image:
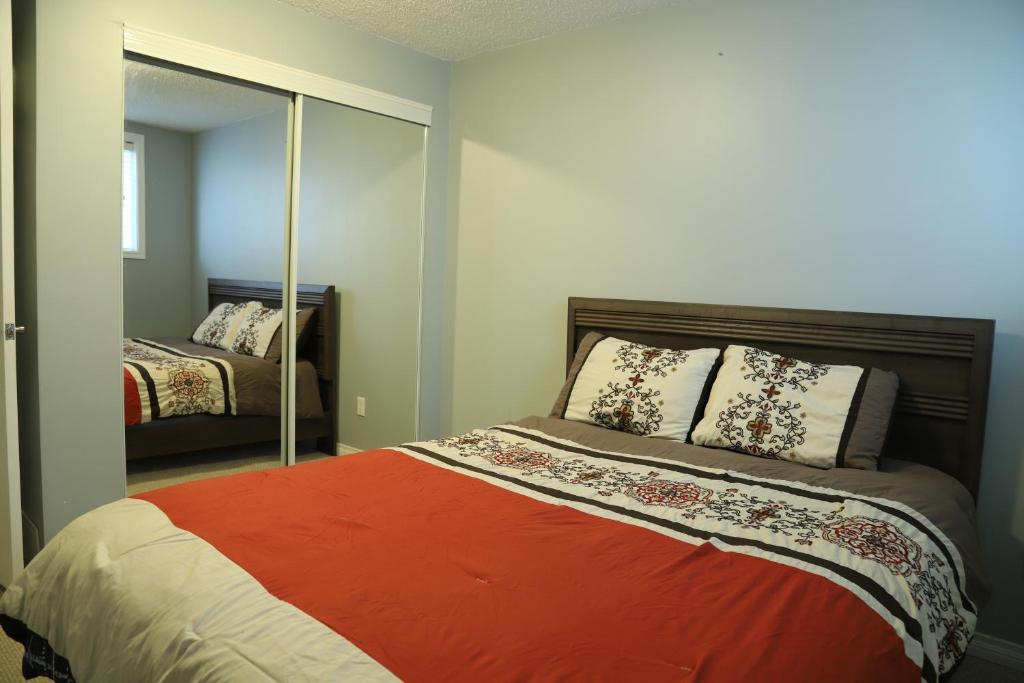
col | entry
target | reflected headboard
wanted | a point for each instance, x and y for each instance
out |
(322, 348)
(943, 363)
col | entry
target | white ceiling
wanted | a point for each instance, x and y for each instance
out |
(457, 29)
(187, 102)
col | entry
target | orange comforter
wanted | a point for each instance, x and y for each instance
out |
(441, 574)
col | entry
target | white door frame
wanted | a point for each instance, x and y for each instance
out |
(255, 70)
(300, 83)
(12, 553)
(289, 297)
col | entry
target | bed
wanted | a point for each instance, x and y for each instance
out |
(552, 549)
(255, 415)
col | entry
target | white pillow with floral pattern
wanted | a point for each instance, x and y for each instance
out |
(220, 327)
(640, 389)
(256, 331)
(773, 406)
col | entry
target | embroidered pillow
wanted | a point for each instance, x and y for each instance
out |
(221, 326)
(256, 331)
(773, 406)
(635, 388)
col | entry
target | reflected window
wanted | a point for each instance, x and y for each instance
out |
(133, 188)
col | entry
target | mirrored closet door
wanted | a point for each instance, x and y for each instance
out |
(203, 235)
(359, 241)
(272, 269)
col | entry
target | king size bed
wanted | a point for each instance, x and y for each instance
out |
(659, 524)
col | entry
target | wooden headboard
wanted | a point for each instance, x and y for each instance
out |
(322, 348)
(943, 363)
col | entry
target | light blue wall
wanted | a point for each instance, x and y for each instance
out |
(158, 288)
(239, 173)
(853, 156)
(359, 229)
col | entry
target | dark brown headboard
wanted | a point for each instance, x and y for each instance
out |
(322, 349)
(943, 363)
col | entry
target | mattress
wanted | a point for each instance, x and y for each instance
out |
(218, 382)
(539, 549)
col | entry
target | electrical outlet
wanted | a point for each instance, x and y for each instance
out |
(361, 406)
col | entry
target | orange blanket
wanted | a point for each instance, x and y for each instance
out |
(440, 575)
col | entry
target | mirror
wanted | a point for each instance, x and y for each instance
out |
(359, 232)
(202, 232)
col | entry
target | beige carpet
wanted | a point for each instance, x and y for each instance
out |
(152, 473)
(10, 661)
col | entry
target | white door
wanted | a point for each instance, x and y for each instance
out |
(11, 558)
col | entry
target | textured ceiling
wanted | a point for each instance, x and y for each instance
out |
(184, 101)
(457, 29)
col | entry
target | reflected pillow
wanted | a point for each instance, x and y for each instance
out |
(635, 388)
(304, 320)
(257, 330)
(221, 326)
(773, 406)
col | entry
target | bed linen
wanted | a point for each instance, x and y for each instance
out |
(541, 550)
(170, 376)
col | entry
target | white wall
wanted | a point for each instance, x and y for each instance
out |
(851, 156)
(158, 289)
(69, 61)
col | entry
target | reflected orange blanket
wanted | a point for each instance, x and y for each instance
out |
(132, 400)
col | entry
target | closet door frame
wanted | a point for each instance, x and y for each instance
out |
(290, 282)
(263, 72)
(216, 60)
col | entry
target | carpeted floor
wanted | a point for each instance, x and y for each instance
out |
(10, 661)
(145, 475)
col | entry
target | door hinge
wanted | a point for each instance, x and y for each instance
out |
(11, 331)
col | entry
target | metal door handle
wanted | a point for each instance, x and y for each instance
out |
(11, 330)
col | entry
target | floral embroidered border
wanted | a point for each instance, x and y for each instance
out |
(174, 383)
(883, 553)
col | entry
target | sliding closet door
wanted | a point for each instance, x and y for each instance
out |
(205, 163)
(360, 217)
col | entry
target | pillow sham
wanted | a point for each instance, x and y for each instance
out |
(303, 331)
(256, 331)
(220, 327)
(635, 388)
(773, 406)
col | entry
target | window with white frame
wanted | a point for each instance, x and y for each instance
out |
(133, 196)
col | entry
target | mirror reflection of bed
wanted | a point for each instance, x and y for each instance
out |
(243, 436)
(202, 406)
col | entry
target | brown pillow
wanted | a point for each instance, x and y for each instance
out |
(304, 326)
(582, 352)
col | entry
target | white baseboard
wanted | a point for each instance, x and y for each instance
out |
(997, 650)
(345, 449)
